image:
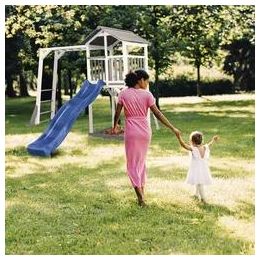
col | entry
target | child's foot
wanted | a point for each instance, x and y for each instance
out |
(203, 201)
(195, 197)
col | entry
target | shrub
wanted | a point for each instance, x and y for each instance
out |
(185, 87)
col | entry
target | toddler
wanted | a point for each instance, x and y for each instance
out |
(199, 172)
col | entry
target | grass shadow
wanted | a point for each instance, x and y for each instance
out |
(74, 211)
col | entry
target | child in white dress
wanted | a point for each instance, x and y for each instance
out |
(199, 172)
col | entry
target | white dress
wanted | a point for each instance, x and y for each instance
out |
(199, 172)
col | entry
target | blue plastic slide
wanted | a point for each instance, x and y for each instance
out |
(62, 122)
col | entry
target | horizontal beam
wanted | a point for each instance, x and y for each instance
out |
(73, 48)
(135, 44)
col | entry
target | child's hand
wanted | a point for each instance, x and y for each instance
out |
(215, 138)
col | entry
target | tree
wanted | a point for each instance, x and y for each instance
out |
(198, 34)
(153, 25)
(240, 63)
(240, 47)
(45, 26)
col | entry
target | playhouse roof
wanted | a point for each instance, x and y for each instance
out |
(113, 35)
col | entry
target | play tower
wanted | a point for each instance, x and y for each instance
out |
(110, 54)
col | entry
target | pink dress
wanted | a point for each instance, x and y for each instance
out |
(137, 131)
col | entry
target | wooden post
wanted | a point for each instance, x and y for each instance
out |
(42, 54)
(125, 59)
(106, 73)
(57, 55)
(111, 65)
(54, 84)
(146, 69)
(90, 110)
(39, 88)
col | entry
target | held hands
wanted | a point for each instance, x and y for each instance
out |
(115, 129)
(113, 132)
(177, 132)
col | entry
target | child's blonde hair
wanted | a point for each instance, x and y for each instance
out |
(196, 137)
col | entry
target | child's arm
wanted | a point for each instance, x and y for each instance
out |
(214, 139)
(183, 144)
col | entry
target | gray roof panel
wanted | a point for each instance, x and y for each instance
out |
(118, 34)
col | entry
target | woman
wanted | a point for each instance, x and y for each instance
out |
(136, 102)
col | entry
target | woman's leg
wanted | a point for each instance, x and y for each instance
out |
(140, 197)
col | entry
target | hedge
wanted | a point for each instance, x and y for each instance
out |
(184, 87)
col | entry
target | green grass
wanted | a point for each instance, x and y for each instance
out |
(81, 202)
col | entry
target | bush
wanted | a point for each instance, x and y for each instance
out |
(184, 87)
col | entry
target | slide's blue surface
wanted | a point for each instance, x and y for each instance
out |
(62, 122)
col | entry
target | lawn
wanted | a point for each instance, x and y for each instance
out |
(81, 202)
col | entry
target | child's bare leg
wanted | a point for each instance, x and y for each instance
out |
(201, 192)
(197, 190)
(196, 195)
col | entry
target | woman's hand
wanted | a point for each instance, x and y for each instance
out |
(113, 131)
(177, 132)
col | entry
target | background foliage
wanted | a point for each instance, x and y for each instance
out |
(206, 36)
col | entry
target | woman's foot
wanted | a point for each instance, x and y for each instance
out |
(142, 204)
(140, 197)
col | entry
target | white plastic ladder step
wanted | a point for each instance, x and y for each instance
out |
(45, 112)
(44, 90)
(45, 101)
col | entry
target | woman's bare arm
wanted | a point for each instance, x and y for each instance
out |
(159, 115)
(117, 114)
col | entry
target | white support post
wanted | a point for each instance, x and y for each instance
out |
(146, 69)
(125, 57)
(90, 110)
(39, 89)
(146, 58)
(107, 83)
(112, 93)
(111, 65)
(106, 60)
(90, 119)
(42, 54)
(113, 105)
(57, 56)
(88, 63)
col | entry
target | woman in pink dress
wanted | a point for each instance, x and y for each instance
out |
(136, 101)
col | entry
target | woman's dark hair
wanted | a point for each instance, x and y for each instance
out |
(132, 78)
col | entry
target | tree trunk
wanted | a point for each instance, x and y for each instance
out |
(9, 91)
(23, 85)
(156, 88)
(32, 84)
(70, 84)
(198, 81)
(66, 81)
